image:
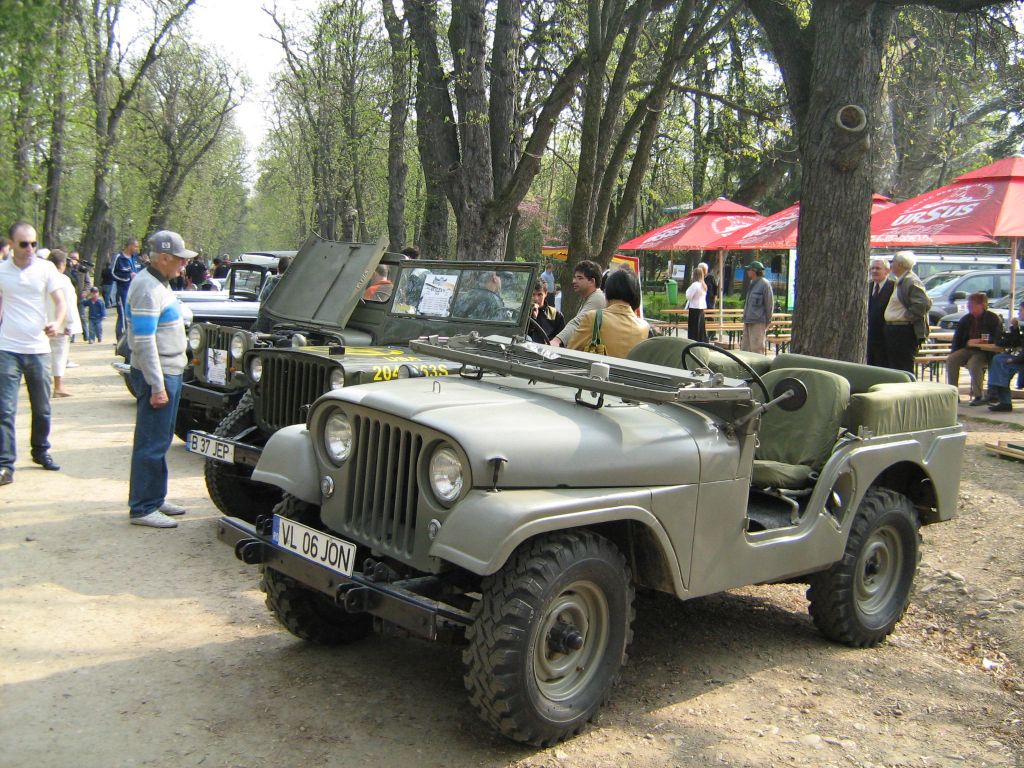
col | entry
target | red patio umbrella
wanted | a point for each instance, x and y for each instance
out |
(696, 229)
(779, 230)
(977, 207)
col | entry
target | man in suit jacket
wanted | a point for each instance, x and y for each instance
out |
(879, 290)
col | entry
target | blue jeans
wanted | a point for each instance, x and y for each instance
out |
(96, 328)
(36, 369)
(154, 431)
(1000, 371)
(122, 304)
(108, 295)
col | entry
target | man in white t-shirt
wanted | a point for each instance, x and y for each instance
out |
(25, 283)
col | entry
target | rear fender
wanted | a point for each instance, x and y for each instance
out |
(288, 462)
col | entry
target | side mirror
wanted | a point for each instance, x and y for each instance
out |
(958, 296)
(790, 394)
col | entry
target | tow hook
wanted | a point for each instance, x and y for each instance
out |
(354, 599)
(375, 571)
(250, 551)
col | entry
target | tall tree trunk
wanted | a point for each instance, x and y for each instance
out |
(836, 183)
(433, 237)
(23, 146)
(55, 157)
(398, 169)
(55, 170)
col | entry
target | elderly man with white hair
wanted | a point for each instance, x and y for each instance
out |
(906, 314)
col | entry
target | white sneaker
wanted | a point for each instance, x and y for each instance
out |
(172, 509)
(70, 364)
(155, 519)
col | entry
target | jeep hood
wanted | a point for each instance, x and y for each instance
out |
(324, 283)
(546, 439)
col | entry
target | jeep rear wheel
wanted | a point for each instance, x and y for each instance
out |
(861, 598)
(231, 486)
(550, 636)
(307, 613)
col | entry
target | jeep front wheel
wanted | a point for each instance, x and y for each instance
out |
(549, 637)
(861, 598)
(306, 613)
(231, 486)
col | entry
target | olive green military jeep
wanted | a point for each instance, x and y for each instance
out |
(342, 314)
(517, 506)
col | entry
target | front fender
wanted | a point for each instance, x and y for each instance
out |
(483, 530)
(288, 461)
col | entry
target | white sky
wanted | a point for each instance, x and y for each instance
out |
(238, 31)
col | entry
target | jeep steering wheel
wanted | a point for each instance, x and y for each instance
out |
(754, 377)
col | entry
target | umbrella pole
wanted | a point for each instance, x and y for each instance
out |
(721, 286)
(1014, 258)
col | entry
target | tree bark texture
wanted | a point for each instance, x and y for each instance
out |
(836, 184)
(398, 169)
(467, 120)
(832, 63)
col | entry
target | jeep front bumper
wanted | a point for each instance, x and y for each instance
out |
(406, 603)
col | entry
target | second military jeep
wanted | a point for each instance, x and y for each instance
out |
(342, 314)
(516, 507)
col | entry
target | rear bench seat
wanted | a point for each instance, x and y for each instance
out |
(883, 400)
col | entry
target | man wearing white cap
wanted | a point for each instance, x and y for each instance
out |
(156, 337)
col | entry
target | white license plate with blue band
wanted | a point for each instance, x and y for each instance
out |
(315, 546)
(210, 447)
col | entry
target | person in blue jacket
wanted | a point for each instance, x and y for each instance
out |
(126, 266)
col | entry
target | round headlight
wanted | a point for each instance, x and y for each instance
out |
(195, 338)
(337, 378)
(238, 344)
(338, 437)
(446, 474)
(256, 369)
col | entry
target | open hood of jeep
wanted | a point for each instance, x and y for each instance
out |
(324, 283)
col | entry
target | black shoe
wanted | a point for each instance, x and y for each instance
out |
(1001, 407)
(6, 476)
(978, 401)
(46, 461)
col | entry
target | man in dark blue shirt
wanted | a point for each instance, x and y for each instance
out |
(125, 266)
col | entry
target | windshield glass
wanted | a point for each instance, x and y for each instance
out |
(939, 288)
(462, 292)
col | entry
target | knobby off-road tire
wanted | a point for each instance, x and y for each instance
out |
(861, 598)
(518, 679)
(306, 613)
(230, 485)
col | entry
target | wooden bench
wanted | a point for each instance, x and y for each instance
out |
(931, 358)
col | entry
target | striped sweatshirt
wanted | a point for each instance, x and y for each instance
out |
(156, 332)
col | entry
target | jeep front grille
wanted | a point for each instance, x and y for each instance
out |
(288, 384)
(214, 337)
(382, 488)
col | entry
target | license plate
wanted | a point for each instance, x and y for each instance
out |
(210, 447)
(315, 546)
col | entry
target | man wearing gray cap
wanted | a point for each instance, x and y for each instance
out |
(156, 337)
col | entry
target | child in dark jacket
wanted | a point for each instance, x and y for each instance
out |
(97, 310)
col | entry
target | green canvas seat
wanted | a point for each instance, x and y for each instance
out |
(668, 351)
(861, 377)
(794, 445)
(888, 409)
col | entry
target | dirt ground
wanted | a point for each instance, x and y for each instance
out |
(128, 646)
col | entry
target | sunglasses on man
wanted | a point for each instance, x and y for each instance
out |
(26, 243)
